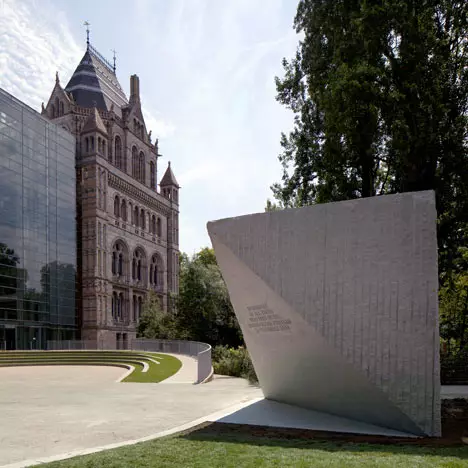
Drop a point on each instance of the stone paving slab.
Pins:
(47, 411)
(187, 373)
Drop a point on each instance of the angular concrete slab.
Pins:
(273, 414)
(338, 306)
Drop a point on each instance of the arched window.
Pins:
(138, 265)
(118, 152)
(134, 307)
(99, 142)
(135, 163)
(135, 216)
(123, 210)
(116, 206)
(121, 307)
(120, 264)
(153, 224)
(62, 108)
(152, 175)
(158, 227)
(114, 305)
(140, 307)
(142, 171)
(104, 147)
(142, 219)
(130, 210)
(92, 143)
(119, 256)
(87, 144)
(52, 111)
(57, 107)
(157, 271)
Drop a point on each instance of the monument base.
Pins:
(263, 412)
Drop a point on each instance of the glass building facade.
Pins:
(37, 229)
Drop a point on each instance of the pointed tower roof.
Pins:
(94, 122)
(168, 178)
(95, 81)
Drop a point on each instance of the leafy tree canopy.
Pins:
(203, 308)
(380, 102)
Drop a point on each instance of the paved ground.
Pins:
(454, 391)
(271, 413)
(48, 411)
(187, 373)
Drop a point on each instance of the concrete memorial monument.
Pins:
(338, 306)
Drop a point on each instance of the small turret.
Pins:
(94, 135)
(169, 185)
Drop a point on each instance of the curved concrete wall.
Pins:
(197, 349)
(201, 351)
(338, 306)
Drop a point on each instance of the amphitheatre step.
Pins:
(147, 366)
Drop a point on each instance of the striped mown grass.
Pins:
(148, 367)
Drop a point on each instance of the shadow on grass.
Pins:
(320, 440)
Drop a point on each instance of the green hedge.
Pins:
(233, 362)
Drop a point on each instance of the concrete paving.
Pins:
(454, 391)
(47, 411)
(187, 373)
(263, 412)
(51, 411)
(271, 413)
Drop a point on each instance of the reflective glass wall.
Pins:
(37, 229)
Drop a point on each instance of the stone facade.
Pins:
(128, 233)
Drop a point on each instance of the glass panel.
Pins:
(37, 228)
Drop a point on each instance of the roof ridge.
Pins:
(101, 58)
(93, 81)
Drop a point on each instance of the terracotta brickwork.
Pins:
(128, 237)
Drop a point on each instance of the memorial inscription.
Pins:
(264, 320)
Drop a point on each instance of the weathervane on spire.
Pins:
(113, 50)
(87, 32)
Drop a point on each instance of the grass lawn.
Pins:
(168, 365)
(239, 450)
(160, 366)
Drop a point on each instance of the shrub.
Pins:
(233, 362)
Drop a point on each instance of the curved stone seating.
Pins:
(134, 361)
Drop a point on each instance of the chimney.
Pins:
(134, 88)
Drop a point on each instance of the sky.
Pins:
(206, 70)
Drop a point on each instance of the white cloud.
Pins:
(159, 127)
(207, 68)
(32, 50)
(35, 43)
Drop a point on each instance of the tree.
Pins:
(454, 305)
(204, 310)
(379, 94)
(155, 323)
(206, 257)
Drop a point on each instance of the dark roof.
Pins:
(94, 83)
(168, 178)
